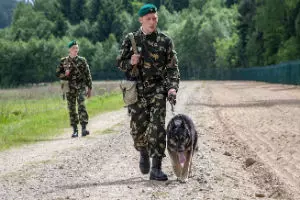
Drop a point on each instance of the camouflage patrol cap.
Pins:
(72, 43)
(146, 9)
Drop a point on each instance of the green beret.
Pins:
(73, 42)
(147, 8)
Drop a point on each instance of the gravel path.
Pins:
(249, 142)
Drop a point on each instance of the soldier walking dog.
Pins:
(157, 77)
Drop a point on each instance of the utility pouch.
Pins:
(129, 90)
(65, 86)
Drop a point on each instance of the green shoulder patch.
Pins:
(82, 58)
(63, 58)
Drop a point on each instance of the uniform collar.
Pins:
(74, 58)
(154, 32)
(150, 36)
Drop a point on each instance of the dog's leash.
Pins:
(172, 109)
(172, 101)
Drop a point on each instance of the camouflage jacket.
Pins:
(158, 67)
(80, 75)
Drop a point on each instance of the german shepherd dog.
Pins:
(181, 143)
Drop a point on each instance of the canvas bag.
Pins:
(129, 89)
(65, 86)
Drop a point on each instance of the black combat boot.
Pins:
(156, 173)
(84, 132)
(144, 161)
(75, 131)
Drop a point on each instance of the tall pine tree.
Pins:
(93, 9)
(77, 12)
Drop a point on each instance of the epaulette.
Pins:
(81, 58)
(63, 58)
(163, 34)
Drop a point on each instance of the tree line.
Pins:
(208, 35)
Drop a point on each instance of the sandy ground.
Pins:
(249, 148)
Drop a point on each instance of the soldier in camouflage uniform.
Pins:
(74, 70)
(158, 77)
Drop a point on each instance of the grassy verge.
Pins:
(27, 121)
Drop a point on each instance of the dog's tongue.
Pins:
(181, 158)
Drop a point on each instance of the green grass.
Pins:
(25, 121)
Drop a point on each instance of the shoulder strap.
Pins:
(135, 71)
(131, 37)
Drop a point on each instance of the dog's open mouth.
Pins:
(181, 158)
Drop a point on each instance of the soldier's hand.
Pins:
(135, 59)
(172, 96)
(89, 93)
(67, 72)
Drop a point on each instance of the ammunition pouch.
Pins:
(65, 86)
(129, 89)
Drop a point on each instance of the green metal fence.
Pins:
(285, 73)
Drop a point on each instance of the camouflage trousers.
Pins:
(148, 124)
(77, 96)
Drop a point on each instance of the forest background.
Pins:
(208, 35)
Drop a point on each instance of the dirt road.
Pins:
(249, 148)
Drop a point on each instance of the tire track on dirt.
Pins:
(264, 128)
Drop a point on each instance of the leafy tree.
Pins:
(104, 60)
(194, 43)
(226, 56)
(86, 49)
(77, 12)
(11, 59)
(230, 3)
(108, 14)
(27, 23)
(122, 25)
(197, 4)
(5, 34)
(61, 26)
(180, 4)
(83, 29)
(128, 6)
(26, 62)
(202, 36)
(93, 9)
(269, 20)
(245, 27)
(136, 5)
(255, 49)
(165, 18)
(49, 9)
(65, 8)
(289, 50)
(226, 42)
